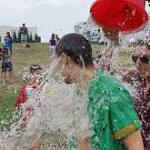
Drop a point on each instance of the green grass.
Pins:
(24, 57)
(125, 59)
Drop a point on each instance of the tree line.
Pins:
(31, 37)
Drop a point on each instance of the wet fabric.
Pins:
(25, 93)
(142, 103)
(111, 112)
(112, 116)
(22, 96)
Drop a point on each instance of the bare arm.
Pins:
(84, 145)
(134, 141)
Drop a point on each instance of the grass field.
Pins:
(22, 58)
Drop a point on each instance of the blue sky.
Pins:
(58, 16)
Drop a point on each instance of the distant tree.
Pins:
(18, 39)
(14, 37)
(37, 38)
(30, 38)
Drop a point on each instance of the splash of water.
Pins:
(59, 113)
(51, 106)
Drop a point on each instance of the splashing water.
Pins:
(59, 113)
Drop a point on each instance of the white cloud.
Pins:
(48, 15)
(50, 2)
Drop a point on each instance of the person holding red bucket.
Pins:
(116, 16)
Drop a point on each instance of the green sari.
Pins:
(112, 116)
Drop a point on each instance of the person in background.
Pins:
(26, 90)
(7, 66)
(52, 43)
(23, 32)
(112, 126)
(57, 38)
(8, 41)
(139, 78)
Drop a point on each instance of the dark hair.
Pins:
(8, 33)
(34, 68)
(77, 47)
(143, 43)
(53, 36)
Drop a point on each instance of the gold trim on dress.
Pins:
(125, 131)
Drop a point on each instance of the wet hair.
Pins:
(34, 68)
(77, 48)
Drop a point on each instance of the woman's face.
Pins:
(141, 58)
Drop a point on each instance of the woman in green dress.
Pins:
(113, 122)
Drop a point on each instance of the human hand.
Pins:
(111, 33)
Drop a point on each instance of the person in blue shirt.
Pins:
(8, 41)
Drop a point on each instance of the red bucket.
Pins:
(125, 15)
